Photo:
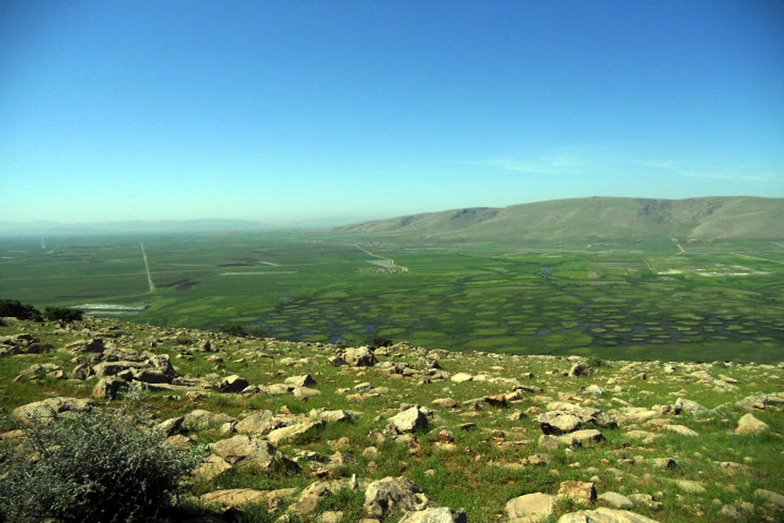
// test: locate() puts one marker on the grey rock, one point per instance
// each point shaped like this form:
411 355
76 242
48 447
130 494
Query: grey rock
394 495
748 424
409 420
297 432
300 381
108 388
49 408
770 496
604 515
616 500
435 515
242 450
582 437
530 507
360 357
557 423
259 423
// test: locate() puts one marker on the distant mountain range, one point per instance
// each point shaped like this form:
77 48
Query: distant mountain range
596 218
606 218
127 227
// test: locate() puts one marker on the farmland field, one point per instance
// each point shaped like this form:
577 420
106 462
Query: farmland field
712 300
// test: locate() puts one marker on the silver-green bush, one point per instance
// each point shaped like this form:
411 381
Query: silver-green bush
95 466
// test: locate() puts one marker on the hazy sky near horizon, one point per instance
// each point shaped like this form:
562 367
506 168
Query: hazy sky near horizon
285 111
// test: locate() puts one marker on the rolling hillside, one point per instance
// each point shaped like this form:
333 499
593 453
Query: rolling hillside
598 218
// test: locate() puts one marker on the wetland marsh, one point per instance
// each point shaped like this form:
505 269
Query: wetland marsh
661 299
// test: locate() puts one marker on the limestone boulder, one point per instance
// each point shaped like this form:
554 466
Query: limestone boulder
410 420
435 515
578 491
360 357
748 424
297 432
557 423
242 450
616 500
49 408
530 508
108 388
394 494
306 380
604 515
259 423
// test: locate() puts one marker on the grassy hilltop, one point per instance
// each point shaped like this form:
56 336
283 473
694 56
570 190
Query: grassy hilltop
317 432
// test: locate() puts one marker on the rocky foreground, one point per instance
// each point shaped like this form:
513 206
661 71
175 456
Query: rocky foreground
315 432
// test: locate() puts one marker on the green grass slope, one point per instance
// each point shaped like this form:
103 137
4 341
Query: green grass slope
597 218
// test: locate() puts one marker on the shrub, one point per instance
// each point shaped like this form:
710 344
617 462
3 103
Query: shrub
378 341
233 329
64 314
95 466
16 309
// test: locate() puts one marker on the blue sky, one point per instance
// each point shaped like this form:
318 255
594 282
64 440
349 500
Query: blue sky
296 110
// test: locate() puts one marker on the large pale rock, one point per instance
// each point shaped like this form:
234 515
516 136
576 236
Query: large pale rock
360 357
198 418
762 401
461 377
109 387
243 451
162 363
212 466
616 500
581 437
410 420
47 409
305 380
259 423
112 368
770 496
587 415
690 406
151 376
394 495
578 491
604 515
693 487
333 415
748 424
435 515
558 423
682 430
297 432
530 508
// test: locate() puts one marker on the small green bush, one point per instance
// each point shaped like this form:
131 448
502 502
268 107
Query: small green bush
19 310
96 466
233 329
378 341
237 329
64 314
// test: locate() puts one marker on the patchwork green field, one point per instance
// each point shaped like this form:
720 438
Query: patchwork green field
661 299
